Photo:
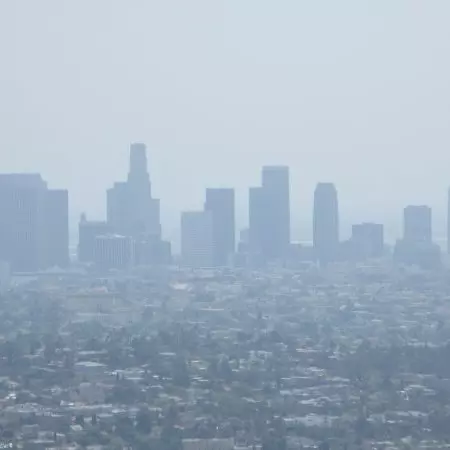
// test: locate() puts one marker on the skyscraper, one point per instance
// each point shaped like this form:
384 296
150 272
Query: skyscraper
277 226
326 222
34 224
220 203
197 239
131 209
257 223
417 247
417 224
57 228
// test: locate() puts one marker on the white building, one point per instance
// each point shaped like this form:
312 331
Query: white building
114 252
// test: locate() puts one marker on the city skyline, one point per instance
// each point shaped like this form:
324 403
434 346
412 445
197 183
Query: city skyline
344 227
354 93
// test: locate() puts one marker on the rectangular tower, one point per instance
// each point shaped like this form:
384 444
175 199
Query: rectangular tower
57 228
417 224
220 203
368 239
197 240
34 230
326 222
257 224
276 193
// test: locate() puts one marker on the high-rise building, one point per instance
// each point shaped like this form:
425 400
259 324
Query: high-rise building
117 208
220 203
276 192
197 239
132 211
34 225
417 247
88 231
57 228
257 223
326 222
368 240
417 224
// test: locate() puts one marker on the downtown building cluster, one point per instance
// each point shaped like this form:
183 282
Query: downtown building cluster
34 227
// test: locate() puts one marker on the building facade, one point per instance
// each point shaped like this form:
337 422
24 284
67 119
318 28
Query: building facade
220 203
114 252
368 239
197 239
88 231
34 223
257 223
277 226
326 222
131 209
417 224
57 228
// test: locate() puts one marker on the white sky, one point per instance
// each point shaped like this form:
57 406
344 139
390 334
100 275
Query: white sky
355 91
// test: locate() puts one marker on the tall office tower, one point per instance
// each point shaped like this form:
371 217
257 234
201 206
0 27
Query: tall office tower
257 224
197 239
276 192
131 209
34 226
88 231
117 208
220 203
417 224
57 228
368 240
326 222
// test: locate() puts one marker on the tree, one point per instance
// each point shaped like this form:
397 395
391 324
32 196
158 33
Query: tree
79 420
144 421
125 429
180 374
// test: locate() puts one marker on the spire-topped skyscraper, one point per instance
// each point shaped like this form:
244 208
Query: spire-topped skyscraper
131 209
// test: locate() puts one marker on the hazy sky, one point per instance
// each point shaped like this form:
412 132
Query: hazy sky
352 91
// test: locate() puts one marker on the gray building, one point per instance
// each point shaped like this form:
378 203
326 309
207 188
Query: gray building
257 223
368 239
417 247
417 224
326 222
88 231
277 226
270 216
114 252
131 209
197 239
220 203
34 224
